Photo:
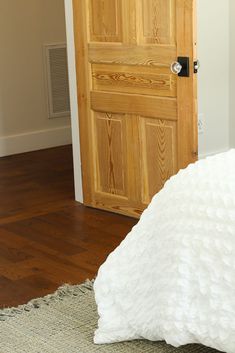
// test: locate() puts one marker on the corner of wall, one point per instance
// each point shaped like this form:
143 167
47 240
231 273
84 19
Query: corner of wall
232 74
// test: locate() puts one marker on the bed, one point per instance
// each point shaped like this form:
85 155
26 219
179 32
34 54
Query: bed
173 277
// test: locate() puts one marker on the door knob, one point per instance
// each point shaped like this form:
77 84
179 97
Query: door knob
176 67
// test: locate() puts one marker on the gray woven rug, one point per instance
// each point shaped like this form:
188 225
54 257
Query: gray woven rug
64 322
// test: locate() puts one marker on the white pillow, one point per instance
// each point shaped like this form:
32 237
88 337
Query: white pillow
173 277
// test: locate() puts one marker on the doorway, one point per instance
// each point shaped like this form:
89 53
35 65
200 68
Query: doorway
137 113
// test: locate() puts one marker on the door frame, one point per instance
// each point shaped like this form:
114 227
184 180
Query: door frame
73 100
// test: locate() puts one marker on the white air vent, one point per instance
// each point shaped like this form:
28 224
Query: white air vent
57 80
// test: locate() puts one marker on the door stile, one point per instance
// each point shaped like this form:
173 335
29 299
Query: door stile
187 86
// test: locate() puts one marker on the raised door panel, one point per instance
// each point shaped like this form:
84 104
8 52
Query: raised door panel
158 155
157 21
110 153
133 79
105 21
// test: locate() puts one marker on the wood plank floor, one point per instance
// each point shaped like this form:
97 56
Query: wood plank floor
46 238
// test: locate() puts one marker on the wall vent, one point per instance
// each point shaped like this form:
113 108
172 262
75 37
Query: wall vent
57 80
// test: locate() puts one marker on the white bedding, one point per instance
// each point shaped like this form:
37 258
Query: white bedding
173 277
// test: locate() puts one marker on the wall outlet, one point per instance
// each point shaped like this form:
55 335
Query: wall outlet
200 124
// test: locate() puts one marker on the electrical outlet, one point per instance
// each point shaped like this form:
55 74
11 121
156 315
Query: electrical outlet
200 124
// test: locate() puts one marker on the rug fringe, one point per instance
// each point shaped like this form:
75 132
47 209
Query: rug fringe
64 291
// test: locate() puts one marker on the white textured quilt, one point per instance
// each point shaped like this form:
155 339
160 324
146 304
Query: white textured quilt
173 277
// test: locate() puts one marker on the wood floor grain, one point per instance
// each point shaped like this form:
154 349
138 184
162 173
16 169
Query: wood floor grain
46 238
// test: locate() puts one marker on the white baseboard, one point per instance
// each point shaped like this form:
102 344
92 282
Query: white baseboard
204 155
35 140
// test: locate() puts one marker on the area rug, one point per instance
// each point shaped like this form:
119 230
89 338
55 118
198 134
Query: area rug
64 322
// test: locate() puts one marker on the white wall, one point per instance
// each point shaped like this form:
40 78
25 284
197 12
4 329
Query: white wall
24 27
213 77
232 73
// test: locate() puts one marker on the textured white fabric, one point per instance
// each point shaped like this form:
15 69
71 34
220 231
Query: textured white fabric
173 277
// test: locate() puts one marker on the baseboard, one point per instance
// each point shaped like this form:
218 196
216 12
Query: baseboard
35 140
204 155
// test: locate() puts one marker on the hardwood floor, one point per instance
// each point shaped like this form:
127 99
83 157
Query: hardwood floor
46 238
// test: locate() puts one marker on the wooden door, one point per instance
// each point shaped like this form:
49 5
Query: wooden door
138 120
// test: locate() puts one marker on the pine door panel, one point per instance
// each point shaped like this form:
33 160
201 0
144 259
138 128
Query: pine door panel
158 154
110 153
105 21
157 21
139 80
138 121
